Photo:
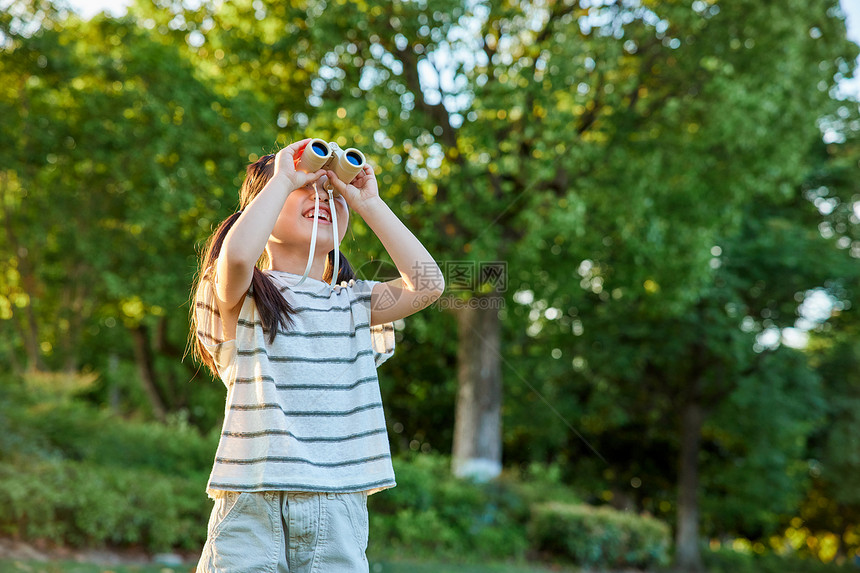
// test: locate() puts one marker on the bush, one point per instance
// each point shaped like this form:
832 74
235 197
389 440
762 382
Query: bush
80 476
599 536
77 475
432 513
75 430
84 504
728 561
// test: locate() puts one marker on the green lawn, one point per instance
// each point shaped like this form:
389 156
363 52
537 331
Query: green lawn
18 566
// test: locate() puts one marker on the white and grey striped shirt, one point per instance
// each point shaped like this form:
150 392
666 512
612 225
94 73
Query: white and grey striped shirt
304 413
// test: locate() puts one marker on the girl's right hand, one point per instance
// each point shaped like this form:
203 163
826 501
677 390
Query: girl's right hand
285 164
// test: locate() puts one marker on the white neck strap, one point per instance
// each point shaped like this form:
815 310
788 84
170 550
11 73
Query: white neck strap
333 209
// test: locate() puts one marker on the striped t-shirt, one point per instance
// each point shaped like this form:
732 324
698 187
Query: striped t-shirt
305 412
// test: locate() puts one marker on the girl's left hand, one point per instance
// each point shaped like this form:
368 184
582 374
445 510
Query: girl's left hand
362 191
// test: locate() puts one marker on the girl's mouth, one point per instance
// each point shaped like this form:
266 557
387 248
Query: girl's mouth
324 215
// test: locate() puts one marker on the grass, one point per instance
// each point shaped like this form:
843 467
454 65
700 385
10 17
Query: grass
19 566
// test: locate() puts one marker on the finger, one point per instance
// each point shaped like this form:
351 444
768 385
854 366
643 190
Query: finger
364 174
294 148
285 159
306 179
339 185
296 145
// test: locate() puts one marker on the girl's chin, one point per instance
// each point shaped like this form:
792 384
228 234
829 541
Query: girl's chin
302 243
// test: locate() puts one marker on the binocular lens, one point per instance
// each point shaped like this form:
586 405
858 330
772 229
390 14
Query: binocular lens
353 158
319 149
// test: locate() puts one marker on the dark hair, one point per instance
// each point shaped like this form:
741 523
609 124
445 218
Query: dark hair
274 310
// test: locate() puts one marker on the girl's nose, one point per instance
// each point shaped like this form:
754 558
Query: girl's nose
325 186
321 193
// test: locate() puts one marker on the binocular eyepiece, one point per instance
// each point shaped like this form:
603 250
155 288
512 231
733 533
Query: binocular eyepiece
318 154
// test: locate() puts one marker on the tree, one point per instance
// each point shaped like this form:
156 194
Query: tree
474 119
831 508
623 142
119 164
680 119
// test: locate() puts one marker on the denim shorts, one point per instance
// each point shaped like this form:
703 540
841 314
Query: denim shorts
286 532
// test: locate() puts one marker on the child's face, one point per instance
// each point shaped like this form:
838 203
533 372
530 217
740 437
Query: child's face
295 223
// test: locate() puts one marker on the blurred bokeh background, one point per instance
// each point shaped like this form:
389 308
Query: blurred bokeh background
647 212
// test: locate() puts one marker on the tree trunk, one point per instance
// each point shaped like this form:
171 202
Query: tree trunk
114 397
143 357
164 347
687 555
477 448
27 329
29 325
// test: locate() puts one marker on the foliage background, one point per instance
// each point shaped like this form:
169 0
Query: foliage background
673 186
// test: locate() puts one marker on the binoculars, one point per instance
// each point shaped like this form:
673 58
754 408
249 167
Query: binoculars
319 154
346 164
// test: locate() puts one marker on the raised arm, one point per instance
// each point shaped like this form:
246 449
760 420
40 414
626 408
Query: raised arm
247 239
421 280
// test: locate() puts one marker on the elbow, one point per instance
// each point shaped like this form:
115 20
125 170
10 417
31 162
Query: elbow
436 288
429 291
427 281
435 295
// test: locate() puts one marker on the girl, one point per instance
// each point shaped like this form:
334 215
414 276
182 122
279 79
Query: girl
304 439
